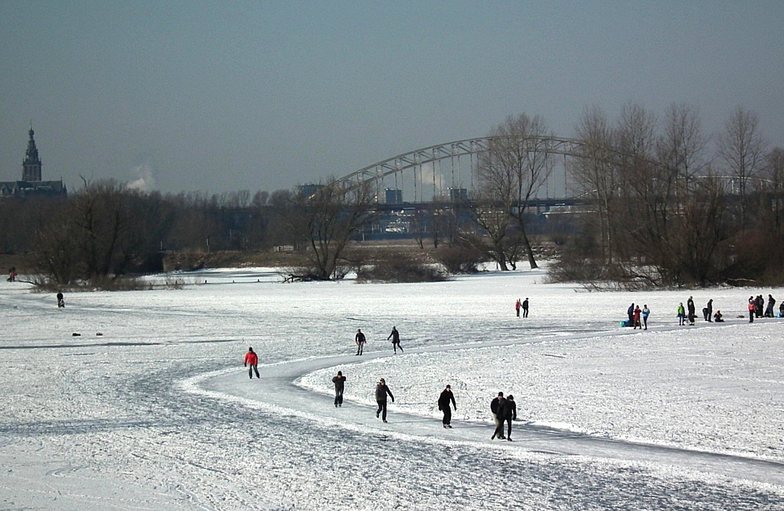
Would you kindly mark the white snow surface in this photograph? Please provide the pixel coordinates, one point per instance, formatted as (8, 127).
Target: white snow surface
(149, 407)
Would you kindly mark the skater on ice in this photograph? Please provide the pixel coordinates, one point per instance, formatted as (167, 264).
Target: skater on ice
(518, 306)
(495, 408)
(507, 412)
(525, 308)
(252, 362)
(339, 380)
(444, 399)
(381, 398)
(395, 336)
(360, 340)
(60, 300)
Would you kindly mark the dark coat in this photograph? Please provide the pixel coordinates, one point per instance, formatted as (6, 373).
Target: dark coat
(381, 392)
(508, 410)
(339, 382)
(496, 404)
(444, 399)
(395, 335)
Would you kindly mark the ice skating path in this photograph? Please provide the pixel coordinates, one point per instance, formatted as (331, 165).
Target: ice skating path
(278, 392)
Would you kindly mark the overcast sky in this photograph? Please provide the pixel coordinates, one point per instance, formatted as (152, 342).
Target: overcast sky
(222, 96)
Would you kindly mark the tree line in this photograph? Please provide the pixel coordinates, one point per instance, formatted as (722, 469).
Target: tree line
(663, 209)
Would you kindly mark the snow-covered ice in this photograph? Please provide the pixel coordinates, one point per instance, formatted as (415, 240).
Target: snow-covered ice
(157, 411)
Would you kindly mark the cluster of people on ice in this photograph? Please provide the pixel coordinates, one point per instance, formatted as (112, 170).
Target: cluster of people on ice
(687, 315)
(360, 340)
(757, 308)
(521, 306)
(638, 318)
(503, 409)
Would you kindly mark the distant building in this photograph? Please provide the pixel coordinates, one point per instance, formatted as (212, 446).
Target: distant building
(458, 194)
(310, 189)
(393, 196)
(31, 184)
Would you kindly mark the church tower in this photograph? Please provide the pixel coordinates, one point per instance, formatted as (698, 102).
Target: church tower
(31, 167)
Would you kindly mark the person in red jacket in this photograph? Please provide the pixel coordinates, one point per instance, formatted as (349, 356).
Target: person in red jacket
(253, 360)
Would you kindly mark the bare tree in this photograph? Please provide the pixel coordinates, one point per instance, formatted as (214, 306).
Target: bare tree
(515, 167)
(742, 148)
(595, 170)
(327, 220)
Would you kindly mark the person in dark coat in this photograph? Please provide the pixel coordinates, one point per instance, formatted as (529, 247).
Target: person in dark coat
(60, 300)
(707, 312)
(360, 340)
(525, 308)
(381, 398)
(443, 405)
(507, 412)
(252, 360)
(690, 308)
(759, 305)
(630, 313)
(769, 308)
(339, 382)
(495, 407)
(395, 336)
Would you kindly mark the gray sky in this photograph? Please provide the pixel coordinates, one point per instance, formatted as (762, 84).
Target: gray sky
(223, 96)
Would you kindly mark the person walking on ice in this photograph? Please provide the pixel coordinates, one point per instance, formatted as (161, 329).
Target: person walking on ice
(381, 398)
(518, 306)
(395, 335)
(645, 313)
(508, 413)
(495, 408)
(360, 340)
(60, 300)
(525, 308)
(252, 360)
(443, 404)
(339, 380)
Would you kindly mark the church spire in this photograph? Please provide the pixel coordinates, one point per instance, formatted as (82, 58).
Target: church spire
(31, 167)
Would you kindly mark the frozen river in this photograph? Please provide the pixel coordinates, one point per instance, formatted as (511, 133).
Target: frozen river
(150, 407)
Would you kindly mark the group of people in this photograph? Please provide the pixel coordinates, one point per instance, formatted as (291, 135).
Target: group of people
(521, 306)
(756, 307)
(360, 340)
(689, 314)
(638, 318)
(504, 410)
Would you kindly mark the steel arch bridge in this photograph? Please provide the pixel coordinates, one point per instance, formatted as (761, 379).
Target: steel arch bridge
(446, 171)
(439, 173)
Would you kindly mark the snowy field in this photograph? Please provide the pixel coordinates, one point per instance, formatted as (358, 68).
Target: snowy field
(150, 407)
